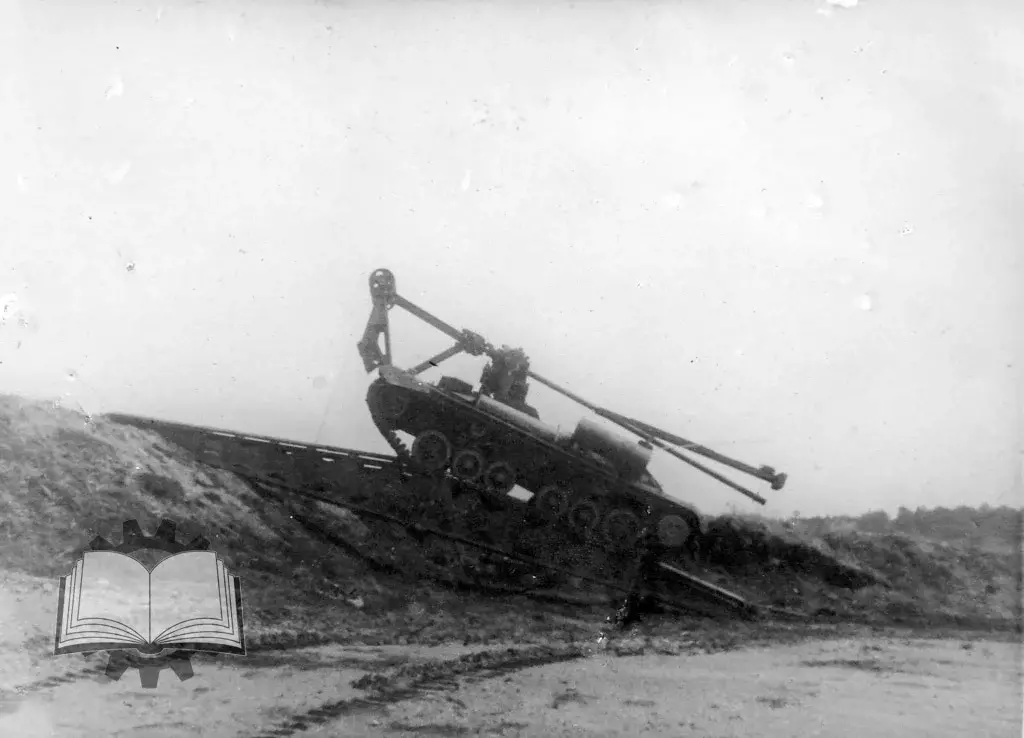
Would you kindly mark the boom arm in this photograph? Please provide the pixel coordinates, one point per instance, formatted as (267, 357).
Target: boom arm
(385, 296)
(657, 437)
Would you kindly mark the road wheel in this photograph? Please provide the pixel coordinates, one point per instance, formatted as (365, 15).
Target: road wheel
(552, 501)
(584, 517)
(673, 531)
(500, 478)
(621, 528)
(431, 450)
(468, 465)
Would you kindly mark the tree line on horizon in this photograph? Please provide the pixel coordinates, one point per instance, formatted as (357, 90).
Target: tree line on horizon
(986, 523)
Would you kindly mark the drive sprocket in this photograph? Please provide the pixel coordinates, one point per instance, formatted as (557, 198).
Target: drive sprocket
(149, 667)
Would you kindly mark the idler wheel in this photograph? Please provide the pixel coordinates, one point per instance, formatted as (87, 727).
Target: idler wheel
(622, 528)
(553, 501)
(500, 478)
(431, 450)
(673, 531)
(468, 465)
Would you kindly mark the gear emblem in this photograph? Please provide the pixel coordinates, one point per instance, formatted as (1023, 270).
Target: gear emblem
(149, 667)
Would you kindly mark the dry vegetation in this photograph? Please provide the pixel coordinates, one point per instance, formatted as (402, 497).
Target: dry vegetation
(929, 567)
(67, 479)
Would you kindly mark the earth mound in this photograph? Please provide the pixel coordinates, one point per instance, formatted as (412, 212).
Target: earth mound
(312, 571)
(884, 576)
(67, 478)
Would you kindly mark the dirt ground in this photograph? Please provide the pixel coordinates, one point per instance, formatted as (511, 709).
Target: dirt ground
(865, 685)
(317, 615)
(836, 688)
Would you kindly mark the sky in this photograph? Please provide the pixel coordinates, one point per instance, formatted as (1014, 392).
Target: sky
(789, 230)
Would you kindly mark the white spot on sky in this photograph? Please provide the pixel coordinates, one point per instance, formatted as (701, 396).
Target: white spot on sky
(466, 180)
(788, 59)
(865, 302)
(758, 211)
(843, 3)
(672, 201)
(906, 230)
(14, 312)
(159, 14)
(8, 307)
(22, 183)
(478, 115)
(116, 88)
(116, 176)
(871, 257)
(739, 352)
(875, 260)
(814, 201)
(130, 266)
(231, 34)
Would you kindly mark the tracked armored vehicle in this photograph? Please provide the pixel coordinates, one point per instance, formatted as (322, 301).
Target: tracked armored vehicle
(451, 503)
(490, 441)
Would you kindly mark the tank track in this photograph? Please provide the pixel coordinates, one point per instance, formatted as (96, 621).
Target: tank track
(392, 439)
(443, 504)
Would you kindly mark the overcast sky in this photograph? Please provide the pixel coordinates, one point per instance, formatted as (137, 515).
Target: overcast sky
(789, 230)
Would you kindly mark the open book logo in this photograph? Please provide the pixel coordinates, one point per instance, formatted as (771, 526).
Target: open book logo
(149, 617)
